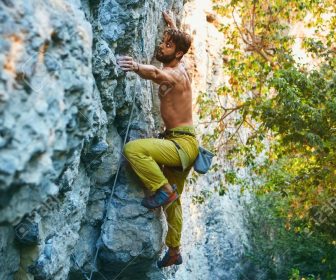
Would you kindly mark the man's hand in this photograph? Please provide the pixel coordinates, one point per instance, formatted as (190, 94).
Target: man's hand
(127, 63)
(169, 20)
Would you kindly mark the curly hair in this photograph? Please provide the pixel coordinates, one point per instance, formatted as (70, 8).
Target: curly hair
(181, 39)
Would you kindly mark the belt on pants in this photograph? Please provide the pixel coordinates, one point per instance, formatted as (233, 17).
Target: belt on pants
(175, 132)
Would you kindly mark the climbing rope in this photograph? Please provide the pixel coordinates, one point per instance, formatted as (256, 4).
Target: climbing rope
(113, 187)
(72, 256)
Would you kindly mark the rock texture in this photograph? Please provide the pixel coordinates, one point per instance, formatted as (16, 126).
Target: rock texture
(214, 236)
(65, 108)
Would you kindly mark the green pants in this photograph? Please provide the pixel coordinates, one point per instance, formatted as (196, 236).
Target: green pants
(156, 162)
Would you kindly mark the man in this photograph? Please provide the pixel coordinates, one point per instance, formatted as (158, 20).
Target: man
(164, 164)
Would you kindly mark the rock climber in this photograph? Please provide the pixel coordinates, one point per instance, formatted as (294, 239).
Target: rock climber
(164, 164)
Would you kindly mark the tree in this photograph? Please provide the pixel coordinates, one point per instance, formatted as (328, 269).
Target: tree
(289, 106)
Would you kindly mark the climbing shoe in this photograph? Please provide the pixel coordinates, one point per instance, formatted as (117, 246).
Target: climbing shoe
(160, 198)
(169, 260)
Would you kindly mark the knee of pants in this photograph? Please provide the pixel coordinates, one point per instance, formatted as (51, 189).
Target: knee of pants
(129, 149)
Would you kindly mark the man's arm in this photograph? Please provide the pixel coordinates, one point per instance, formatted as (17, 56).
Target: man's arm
(169, 20)
(145, 71)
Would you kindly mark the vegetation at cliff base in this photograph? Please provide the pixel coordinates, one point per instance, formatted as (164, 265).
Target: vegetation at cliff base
(280, 60)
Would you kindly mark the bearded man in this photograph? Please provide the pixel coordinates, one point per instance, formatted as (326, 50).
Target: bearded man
(164, 164)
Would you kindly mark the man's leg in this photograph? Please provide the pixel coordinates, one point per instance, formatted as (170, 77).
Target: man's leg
(174, 211)
(147, 155)
(174, 219)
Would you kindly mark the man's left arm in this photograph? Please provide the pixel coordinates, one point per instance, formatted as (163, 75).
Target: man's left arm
(169, 20)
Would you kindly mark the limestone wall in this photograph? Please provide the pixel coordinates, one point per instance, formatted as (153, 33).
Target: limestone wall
(64, 109)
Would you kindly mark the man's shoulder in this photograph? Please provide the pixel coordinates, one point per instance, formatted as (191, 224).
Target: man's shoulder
(175, 72)
(178, 73)
(184, 70)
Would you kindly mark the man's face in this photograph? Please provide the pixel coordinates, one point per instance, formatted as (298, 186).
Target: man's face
(166, 51)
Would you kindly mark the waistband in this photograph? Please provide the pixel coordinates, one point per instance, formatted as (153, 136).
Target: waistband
(179, 130)
(187, 128)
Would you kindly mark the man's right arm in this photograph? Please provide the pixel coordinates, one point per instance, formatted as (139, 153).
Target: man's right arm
(151, 72)
(146, 71)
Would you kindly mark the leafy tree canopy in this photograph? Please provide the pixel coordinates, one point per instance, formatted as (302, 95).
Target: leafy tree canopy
(288, 106)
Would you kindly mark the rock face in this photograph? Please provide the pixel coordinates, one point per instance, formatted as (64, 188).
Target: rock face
(66, 111)
(65, 108)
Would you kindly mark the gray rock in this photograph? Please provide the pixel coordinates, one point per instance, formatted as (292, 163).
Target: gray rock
(27, 232)
(64, 110)
(10, 262)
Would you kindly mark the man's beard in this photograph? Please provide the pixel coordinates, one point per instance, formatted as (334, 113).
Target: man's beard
(164, 58)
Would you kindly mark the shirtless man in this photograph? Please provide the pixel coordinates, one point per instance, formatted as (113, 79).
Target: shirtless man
(164, 164)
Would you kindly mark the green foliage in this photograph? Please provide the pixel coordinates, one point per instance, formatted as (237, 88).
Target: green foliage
(300, 159)
(201, 197)
(295, 275)
(290, 109)
(286, 251)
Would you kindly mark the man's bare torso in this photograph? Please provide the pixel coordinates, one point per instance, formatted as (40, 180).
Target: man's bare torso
(176, 102)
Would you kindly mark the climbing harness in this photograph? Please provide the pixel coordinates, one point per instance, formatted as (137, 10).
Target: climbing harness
(168, 132)
(203, 161)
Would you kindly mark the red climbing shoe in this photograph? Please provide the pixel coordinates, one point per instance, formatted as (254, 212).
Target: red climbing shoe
(160, 198)
(169, 260)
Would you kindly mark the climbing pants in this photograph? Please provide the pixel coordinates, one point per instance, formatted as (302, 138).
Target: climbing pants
(157, 162)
